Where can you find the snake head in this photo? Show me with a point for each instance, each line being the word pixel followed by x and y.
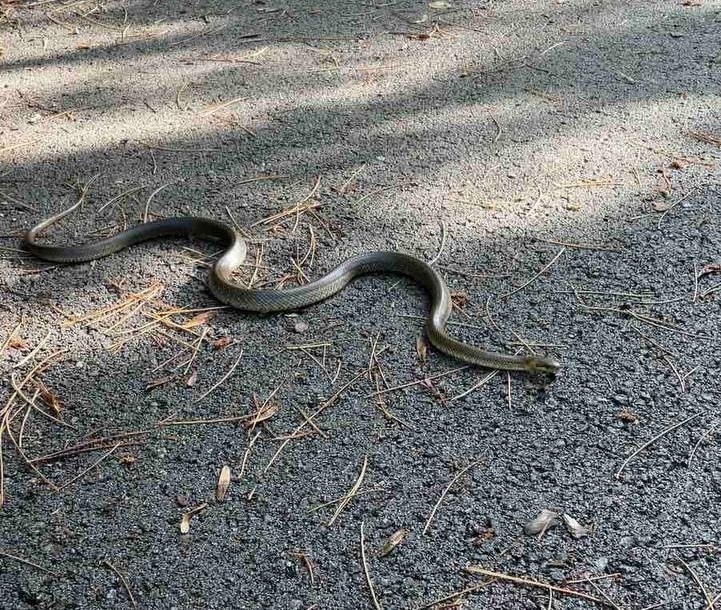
pixel 542 365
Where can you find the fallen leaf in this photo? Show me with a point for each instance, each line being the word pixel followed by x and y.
pixel 438 5
pixel 127 459
pixel 488 533
pixel 459 299
pixel 223 483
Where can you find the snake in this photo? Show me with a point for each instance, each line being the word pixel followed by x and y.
pixel 234 295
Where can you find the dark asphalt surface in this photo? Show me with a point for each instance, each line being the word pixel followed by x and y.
pixel 584 135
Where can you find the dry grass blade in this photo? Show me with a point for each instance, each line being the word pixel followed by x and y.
pixel 246 454
pixel 527 582
pixel 499 131
pixel 215 108
pixel 299 208
pixel 444 236
pixel 342 190
pixel 11 336
pixel 474 387
pixel 366 572
pixel 351 494
pixel 445 492
pixel 652 441
pixel 146 210
pixel 418 381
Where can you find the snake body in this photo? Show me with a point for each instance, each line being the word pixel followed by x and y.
pixel 230 293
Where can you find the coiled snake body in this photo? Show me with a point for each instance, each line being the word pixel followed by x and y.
pixel 229 293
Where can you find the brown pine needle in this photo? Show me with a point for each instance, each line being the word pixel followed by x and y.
pixel 123 580
pixel 474 387
pixel 26 562
pixel 705 137
pixel 445 492
pixel 534 583
pixel 452 596
pixel 376 605
pixel 699 582
pixel 89 468
pixel 418 381
pixel 535 277
pixel 196 422
pixel 652 441
pixel 349 496
pixel 322 407
pixel 222 379
pixel 444 236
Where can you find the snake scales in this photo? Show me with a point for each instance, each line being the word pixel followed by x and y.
pixel 226 291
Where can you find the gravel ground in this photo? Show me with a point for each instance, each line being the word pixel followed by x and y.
pixel 562 157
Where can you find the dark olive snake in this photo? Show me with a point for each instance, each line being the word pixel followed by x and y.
pixel 230 293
